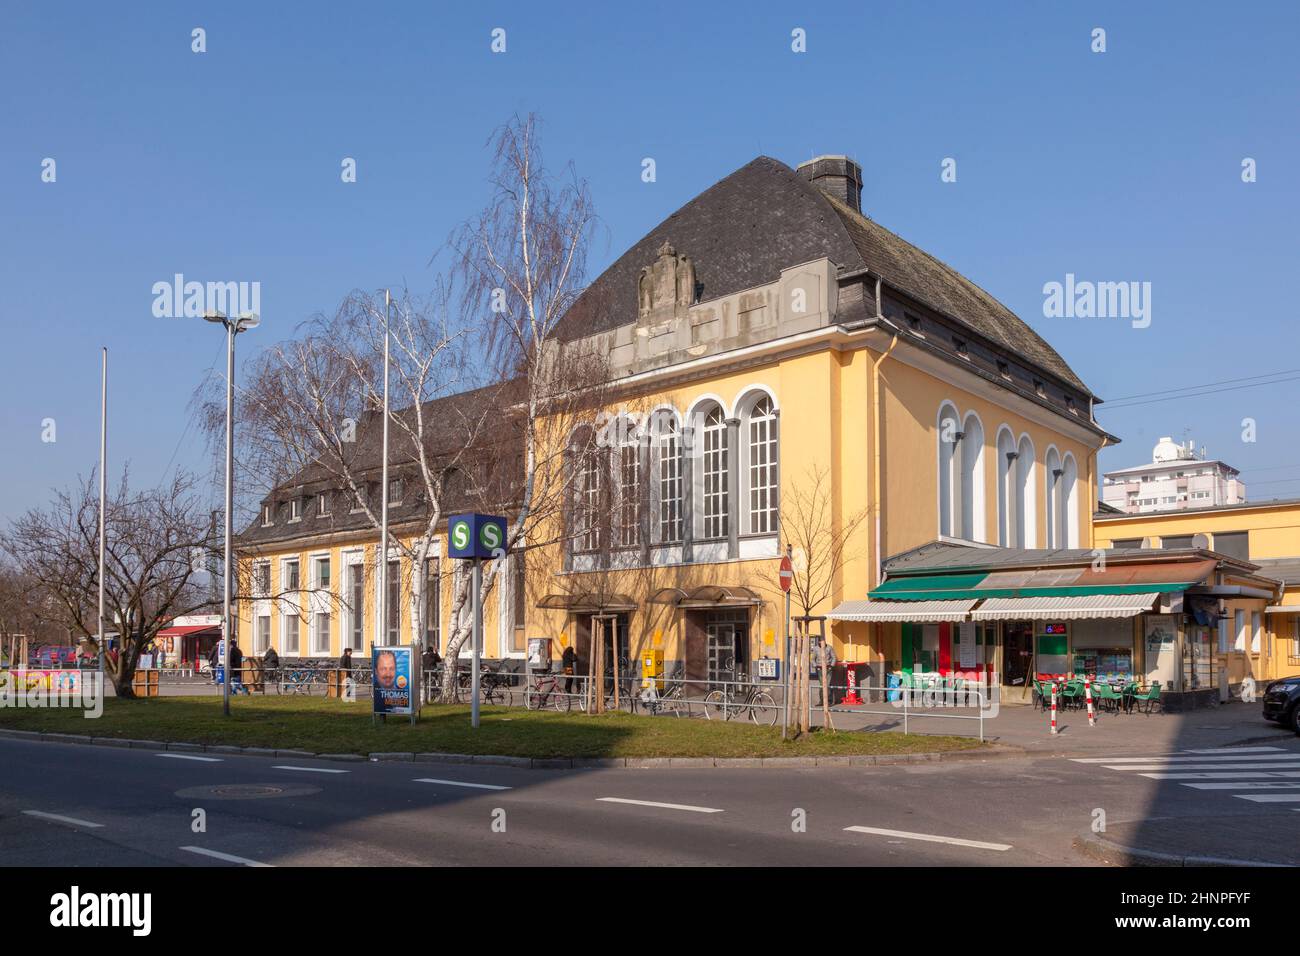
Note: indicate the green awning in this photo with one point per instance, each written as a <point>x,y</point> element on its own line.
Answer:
<point>960,587</point>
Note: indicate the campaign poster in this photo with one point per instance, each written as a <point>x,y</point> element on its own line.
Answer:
<point>393,686</point>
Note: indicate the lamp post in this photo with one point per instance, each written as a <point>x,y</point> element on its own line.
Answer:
<point>233,328</point>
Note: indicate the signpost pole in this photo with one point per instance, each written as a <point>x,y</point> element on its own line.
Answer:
<point>478,640</point>
<point>786,578</point>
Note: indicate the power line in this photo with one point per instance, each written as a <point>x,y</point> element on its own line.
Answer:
<point>1226,381</point>
<point>1208,391</point>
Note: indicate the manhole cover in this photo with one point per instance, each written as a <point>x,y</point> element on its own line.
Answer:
<point>246,791</point>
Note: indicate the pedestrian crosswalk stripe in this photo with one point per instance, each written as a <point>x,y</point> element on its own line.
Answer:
<point>1290,765</point>
<point>1245,785</point>
<point>1236,750</point>
<point>1189,759</point>
<point>1269,797</point>
<point>1224,775</point>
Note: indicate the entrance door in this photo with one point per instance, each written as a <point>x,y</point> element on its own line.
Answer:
<point>726,644</point>
<point>1017,652</point>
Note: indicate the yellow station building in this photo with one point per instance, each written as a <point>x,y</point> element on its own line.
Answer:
<point>774,351</point>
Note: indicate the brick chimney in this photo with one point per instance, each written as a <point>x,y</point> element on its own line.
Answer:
<point>836,176</point>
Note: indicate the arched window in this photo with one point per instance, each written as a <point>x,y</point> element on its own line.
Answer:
<point>713,474</point>
<point>1052,474</point>
<point>760,471</point>
<point>1027,536</point>
<point>588,488</point>
<point>666,447</point>
<point>1067,511</point>
<point>1010,521</point>
<point>949,472</point>
<point>972,479</point>
<point>627,484</point>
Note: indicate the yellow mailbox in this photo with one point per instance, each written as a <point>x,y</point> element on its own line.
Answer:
<point>652,668</point>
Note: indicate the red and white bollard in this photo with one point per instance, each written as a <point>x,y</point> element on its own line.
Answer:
<point>1053,707</point>
<point>1087,691</point>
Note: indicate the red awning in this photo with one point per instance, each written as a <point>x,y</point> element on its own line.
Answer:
<point>188,629</point>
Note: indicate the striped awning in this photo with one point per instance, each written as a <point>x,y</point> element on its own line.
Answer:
<point>923,611</point>
<point>1074,608</point>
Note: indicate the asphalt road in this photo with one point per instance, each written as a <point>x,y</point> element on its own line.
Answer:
<point>66,804</point>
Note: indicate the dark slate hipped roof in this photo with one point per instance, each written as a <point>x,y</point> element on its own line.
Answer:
<point>742,231</point>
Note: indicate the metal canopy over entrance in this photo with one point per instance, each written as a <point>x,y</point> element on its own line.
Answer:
<point>923,611</point>
<point>588,603</point>
<point>707,596</point>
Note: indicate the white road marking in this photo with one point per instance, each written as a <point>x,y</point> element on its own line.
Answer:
<point>664,806</point>
<point>1222,758</point>
<point>461,783</point>
<point>309,769</point>
<point>1269,797</point>
<point>1232,750</point>
<point>1292,765</point>
<point>932,838</point>
<point>1226,775</point>
<point>190,757</point>
<point>59,818</point>
<point>227,857</point>
<point>1251,785</point>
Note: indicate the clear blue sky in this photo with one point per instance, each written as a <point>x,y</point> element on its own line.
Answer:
<point>1116,166</point>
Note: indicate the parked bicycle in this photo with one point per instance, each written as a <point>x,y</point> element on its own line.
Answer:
<point>671,700</point>
<point>728,702</point>
<point>547,690</point>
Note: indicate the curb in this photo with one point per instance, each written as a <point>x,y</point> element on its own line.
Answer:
<point>536,763</point>
<point>1108,851</point>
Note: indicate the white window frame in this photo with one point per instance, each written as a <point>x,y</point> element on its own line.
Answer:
<point>259,645</point>
<point>715,494</point>
<point>761,466</point>
<point>1239,625</point>
<point>669,498</point>
<point>350,560</point>
<point>626,482</point>
<point>323,504</point>
<point>290,603</point>
<point>295,509</point>
<point>1256,631</point>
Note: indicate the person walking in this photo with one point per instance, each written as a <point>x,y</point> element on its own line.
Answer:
<point>236,668</point>
<point>569,660</point>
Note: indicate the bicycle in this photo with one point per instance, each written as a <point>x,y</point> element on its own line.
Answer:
<point>726,703</point>
<point>671,701</point>
<point>546,690</point>
<point>495,684</point>
<point>298,680</point>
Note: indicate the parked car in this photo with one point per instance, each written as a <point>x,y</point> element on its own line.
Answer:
<point>1282,702</point>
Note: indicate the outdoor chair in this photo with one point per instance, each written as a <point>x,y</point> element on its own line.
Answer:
<point>1107,696</point>
<point>1151,698</point>
<point>1073,693</point>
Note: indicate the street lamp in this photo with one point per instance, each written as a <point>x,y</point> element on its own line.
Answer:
<point>233,328</point>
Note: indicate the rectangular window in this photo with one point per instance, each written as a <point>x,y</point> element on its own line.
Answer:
<point>291,625</point>
<point>268,513</point>
<point>1256,632</point>
<point>321,633</point>
<point>393,605</point>
<point>587,503</point>
<point>762,470</point>
<point>716,498</point>
<point>629,495</point>
<point>519,599</point>
<point>291,580</point>
<point>395,491</point>
<point>432,604</point>
<point>1239,619</point>
<point>1235,544</point>
<point>323,573</point>
<point>295,509</point>
<point>1169,542</point>
<point>670,487</point>
<point>1126,544</point>
<point>356,606</point>
<point>263,638</point>
<point>1223,635</point>
<point>262,578</point>
<point>354,502</point>
<point>323,504</point>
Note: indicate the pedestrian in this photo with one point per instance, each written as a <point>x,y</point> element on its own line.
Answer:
<point>345,662</point>
<point>569,659</point>
<point>236,666</point>
<point>270,669</point>
<point>162,657</point>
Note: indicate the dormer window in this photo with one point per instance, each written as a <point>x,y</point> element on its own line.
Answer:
<point>355,501</point>
<point>323,504</point>
<point>395,491</point>
<point>1039,389</point>
<point>913,322</point>
<point>1004,369</point>
<point>1071,406</point>
<point>295,509</point>
<point>960,346</point>
<point>268,515</point>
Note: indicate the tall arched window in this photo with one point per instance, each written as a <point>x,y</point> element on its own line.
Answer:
<point>713,473</point>
<point>1010,522</point>
<point>666,449</point>
<point>972,479</point>
<point>1052,474</point>
<point>627,484</point>
<point>949,436</point>
<point>1027,536</point>
<point>760,466</point>
<point>1067,510</point>
<point>588,488</point>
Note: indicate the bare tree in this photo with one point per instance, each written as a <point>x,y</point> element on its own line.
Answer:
<point>522,263</point>
<point>150,574</point>
<point>820,552</point>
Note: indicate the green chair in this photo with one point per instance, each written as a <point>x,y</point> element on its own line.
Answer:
<point>1107,696</point>
<point>1073,693</point>
<point>1151,698</point>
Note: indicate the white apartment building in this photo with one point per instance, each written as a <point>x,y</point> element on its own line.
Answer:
<point>1176,478</point>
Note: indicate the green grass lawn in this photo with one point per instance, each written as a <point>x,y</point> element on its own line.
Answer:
<point>323,725</point>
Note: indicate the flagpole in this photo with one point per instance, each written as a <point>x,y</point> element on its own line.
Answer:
<point>103,463</point>
<point>383,520</point>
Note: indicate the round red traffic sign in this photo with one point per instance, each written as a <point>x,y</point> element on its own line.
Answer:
<point>786,575</point>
